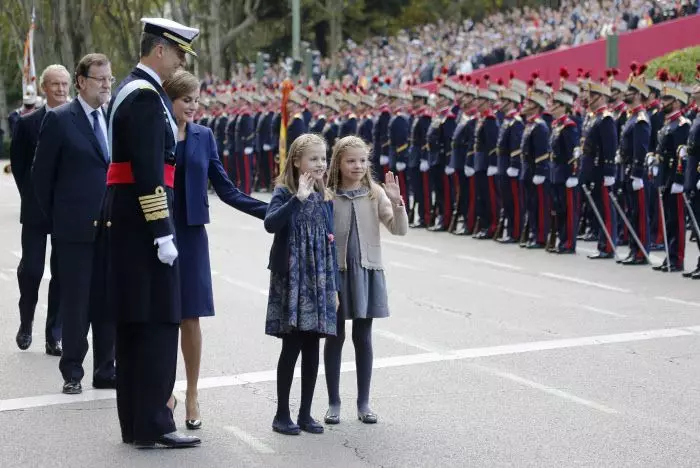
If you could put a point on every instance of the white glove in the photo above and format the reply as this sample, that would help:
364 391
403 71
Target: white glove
577 152
383 160
655 170
400 166
248 151
697 186
491 171
167 253
650 159
226 153
683 151
267 147
637 184
469 171
618 158
512 171
676 188
423 165
449 170
571 182
538 179
608 181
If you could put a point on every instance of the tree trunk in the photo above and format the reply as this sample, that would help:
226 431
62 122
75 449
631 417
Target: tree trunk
4 110
215 39
63 36
85 34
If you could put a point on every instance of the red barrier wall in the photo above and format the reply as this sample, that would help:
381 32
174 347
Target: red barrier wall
640 45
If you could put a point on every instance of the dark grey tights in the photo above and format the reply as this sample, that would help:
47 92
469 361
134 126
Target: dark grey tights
292 345
332 355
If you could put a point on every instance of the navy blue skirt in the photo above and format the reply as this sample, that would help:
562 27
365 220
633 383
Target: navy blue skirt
195 271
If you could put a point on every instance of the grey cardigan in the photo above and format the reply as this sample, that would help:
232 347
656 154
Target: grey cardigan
369 213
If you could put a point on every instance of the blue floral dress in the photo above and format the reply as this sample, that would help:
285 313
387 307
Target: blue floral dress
303 299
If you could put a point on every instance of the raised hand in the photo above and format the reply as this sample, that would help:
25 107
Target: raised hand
306 183
392 188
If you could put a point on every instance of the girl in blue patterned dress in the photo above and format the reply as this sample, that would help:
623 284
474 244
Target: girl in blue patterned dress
360 207
301 306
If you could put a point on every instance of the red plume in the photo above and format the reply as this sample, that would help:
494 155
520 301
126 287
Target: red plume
375 79
468 79
512 74
550 84
609 73
587 74
310 88
642 68
487 77
439 79
234 89
535 75
445 70
500 82
387 80
679 77
408 83
477 82
563 72
662 74
615 71
531 83
698 67
634 66
299 82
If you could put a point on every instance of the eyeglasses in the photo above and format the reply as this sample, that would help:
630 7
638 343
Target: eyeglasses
104 80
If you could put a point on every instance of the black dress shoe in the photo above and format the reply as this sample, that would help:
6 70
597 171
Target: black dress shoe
696 276
437 228
481 235
506 240
105 384
634 261
24 338
534 245
661 267
285 428
564 251
418 225
54 349
72 387
311 426
171 440
601 256
689 274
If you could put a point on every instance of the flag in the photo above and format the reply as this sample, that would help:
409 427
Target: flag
28 68
287 88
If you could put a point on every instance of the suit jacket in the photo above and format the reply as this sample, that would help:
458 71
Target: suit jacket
70 173
202 164
22 150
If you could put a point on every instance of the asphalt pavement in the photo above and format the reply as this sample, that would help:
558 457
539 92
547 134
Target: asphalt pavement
494 356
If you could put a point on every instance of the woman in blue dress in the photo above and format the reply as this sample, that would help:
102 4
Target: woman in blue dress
197 163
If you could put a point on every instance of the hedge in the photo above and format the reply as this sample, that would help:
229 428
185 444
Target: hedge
683 61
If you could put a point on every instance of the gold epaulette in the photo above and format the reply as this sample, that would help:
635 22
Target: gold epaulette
516 153
155 206
493 151
544 157
401 148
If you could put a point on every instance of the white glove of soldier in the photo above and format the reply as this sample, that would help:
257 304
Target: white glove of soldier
618 158
512 171
400 166
383 160
423 165
449 170
571 182
697 186
683 151
538 179
577 152
650 159
655 170
637 184
248 150
267 147
676 188
608 181
226 153
167 253
468 171
491 171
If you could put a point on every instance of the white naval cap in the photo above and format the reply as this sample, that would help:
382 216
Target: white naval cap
30 96
179 34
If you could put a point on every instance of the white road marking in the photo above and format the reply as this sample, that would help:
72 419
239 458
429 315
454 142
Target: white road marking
507 266
516 292
597 310
410 246
408 341
381 363
248 439
677 301
545 388
405 266
585 282
244 285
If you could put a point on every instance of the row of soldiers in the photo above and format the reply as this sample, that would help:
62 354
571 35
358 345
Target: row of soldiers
616 162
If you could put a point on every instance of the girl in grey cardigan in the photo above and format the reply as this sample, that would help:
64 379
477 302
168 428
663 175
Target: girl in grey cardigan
359 206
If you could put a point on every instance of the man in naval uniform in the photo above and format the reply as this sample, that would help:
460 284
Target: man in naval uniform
141 286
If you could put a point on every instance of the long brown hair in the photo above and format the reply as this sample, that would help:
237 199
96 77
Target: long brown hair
289 177
339 150
180 84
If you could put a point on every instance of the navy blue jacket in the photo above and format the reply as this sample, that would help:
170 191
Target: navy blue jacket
280 216
510 136
381 135
70 173
220 132
599 148
563 141
692 165
245 133
535 150
398 140
22 147
485 140
419 145
447 130
276 124
365 129
263 135
634 143
295 129
349 126
460 143
202 165
673 134
318 125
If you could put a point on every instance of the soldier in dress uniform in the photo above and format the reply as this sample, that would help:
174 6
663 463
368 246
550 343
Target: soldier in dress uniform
418 160
669 175
510 137
536 170
137 249
229 156
29 101
332 128
598 165
399 130
439 138
463 218
349 125
565 192
264 145
318 122
634 146
380 155
692 170
366 126
656 119
244 144
296 126
486 166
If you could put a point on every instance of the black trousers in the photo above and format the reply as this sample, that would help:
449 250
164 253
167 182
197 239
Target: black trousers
486 202
146 365
29 274
75 264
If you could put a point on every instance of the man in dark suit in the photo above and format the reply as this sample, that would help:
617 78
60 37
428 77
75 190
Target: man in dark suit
136 239
55 82
70 178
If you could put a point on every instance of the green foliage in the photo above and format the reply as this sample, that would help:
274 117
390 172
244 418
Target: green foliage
681 61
